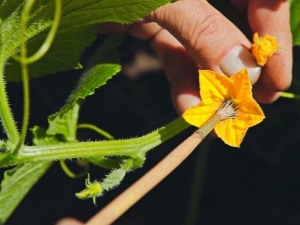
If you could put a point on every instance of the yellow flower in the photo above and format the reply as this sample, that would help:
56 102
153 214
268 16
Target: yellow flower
92 190
215 91
263 48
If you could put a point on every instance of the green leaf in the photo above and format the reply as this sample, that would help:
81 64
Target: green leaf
113 179
78 13
78 27
295 21
15 185
106 59
4 158
62 128
64 124
63 54
92 79
40 136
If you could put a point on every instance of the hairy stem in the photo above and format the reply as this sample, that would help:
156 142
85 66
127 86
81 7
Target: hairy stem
24 60
289 95
141 187
135 147
6 116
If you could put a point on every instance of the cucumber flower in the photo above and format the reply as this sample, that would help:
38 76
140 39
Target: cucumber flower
234 94
263 48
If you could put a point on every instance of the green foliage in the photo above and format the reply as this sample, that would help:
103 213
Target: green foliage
116 176
77 30
295 21
62 125
113 179
78 27
135 147
16 183
62 128
103 65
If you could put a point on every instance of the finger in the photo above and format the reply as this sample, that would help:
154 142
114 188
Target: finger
206 34
272 17
180 69
263 95
68 221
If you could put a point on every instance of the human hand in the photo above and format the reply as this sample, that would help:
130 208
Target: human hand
191 34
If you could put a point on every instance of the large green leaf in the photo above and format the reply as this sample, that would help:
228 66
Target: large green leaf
295 21
15 185
78 27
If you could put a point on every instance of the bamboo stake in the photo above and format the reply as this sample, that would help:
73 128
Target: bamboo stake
141 187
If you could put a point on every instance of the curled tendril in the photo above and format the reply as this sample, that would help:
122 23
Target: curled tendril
96 129
24 60
70 173
49 39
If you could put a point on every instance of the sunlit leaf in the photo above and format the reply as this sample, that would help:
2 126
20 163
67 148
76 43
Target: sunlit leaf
295 21
15 185
78 27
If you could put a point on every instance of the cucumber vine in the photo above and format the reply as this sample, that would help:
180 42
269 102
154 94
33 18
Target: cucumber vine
32 32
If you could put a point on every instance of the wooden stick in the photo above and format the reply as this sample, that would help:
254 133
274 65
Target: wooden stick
141 187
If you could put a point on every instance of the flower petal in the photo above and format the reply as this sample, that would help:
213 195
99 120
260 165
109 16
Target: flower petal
251 113
214 87
199 114
242 86
263 48
231 132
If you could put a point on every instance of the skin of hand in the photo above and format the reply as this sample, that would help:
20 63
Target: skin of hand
68 221
191 34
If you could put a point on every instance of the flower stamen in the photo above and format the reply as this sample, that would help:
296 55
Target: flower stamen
227 110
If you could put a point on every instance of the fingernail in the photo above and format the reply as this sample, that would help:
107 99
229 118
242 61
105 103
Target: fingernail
237 59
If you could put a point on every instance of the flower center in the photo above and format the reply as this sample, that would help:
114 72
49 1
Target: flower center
227 110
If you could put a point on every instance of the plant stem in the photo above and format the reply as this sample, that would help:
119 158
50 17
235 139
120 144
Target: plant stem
26 105
146 183
6 117
24 60
136 191
135 147
289 95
